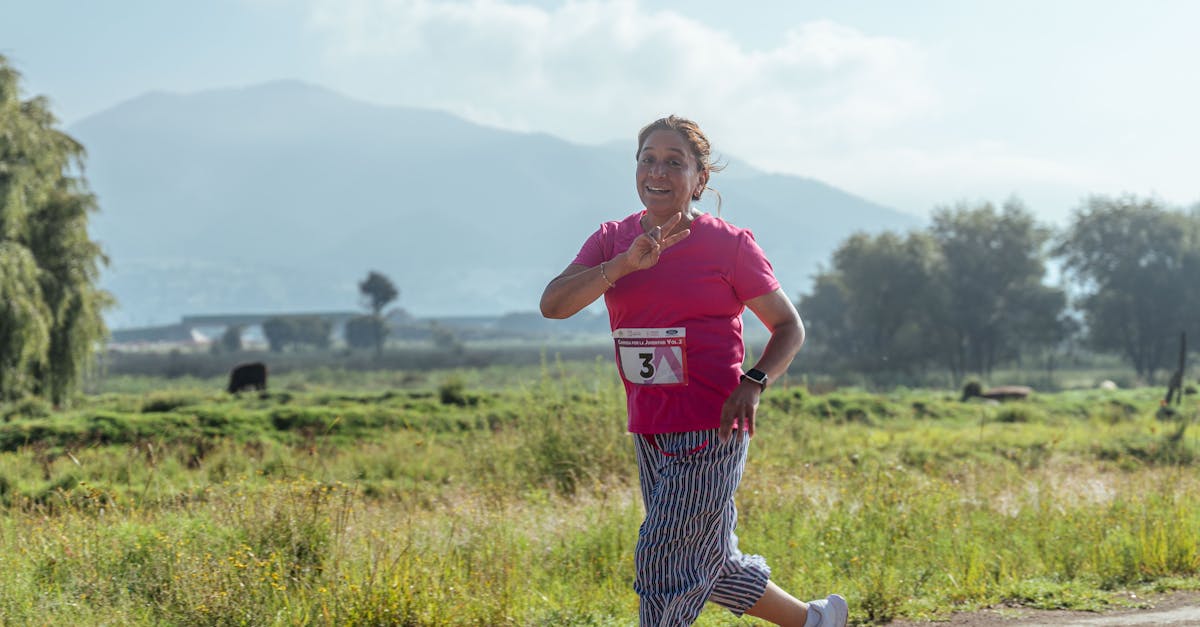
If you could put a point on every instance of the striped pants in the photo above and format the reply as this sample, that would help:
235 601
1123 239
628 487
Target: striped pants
687 551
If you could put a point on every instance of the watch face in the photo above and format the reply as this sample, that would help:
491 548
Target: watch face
757 376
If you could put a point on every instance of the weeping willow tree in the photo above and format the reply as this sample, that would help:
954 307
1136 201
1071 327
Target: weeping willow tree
50 306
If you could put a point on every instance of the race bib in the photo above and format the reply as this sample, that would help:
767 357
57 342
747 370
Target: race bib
652 356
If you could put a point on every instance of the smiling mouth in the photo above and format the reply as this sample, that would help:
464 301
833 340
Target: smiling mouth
657 190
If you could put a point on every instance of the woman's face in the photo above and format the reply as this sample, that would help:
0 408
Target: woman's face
667 173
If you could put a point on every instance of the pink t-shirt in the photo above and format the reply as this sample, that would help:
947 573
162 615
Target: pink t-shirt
677 326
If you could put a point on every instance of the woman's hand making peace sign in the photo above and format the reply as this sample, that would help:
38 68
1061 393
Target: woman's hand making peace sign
645 250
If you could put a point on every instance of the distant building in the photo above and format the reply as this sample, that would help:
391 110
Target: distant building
199 332
165 337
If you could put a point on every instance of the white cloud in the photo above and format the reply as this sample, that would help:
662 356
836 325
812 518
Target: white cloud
594 70
827 101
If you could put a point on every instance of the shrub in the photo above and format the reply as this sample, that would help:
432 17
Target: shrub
29 407
162 403
453 392
1015 414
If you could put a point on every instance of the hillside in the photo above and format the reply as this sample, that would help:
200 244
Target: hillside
281 196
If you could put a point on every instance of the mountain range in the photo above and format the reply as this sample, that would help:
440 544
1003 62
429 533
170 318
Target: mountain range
280 197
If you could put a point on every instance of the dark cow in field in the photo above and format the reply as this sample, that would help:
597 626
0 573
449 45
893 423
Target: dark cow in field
998 393
251 376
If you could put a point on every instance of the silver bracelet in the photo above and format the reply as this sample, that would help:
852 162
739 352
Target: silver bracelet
604 276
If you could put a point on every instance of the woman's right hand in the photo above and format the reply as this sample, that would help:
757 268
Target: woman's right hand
645 250
579 286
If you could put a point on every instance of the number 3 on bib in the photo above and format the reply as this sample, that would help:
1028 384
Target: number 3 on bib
652 356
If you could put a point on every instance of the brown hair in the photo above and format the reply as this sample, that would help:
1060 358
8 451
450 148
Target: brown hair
691 133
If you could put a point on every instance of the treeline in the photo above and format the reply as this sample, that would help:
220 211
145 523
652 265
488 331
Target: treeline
302 332
974 291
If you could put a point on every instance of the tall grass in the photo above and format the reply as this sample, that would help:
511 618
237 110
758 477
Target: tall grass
463 504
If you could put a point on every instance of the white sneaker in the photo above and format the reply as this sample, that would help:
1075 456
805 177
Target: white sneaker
832 610
839 612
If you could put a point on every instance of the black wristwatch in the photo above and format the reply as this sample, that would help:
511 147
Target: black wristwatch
754 375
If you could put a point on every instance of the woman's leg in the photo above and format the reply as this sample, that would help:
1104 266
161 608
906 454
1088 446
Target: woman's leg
743 587
687 550
783 609
743 579
779 607
686 540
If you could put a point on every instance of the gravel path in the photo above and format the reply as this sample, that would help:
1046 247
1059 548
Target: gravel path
1178 608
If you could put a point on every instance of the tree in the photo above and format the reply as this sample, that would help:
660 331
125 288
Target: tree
870 309
1135 261
50 307
992 272
231 339
445 339
364 331
24 329
1042 324
284 331
824 311
377 291
279 333
312 331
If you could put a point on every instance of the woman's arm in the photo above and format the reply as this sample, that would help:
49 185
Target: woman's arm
787 336
579 286
780 317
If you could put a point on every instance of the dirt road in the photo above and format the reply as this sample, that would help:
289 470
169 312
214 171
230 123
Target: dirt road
1178 609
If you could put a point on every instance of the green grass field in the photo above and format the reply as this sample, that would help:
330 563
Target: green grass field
483 497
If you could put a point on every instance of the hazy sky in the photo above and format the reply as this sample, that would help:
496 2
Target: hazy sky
911 104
